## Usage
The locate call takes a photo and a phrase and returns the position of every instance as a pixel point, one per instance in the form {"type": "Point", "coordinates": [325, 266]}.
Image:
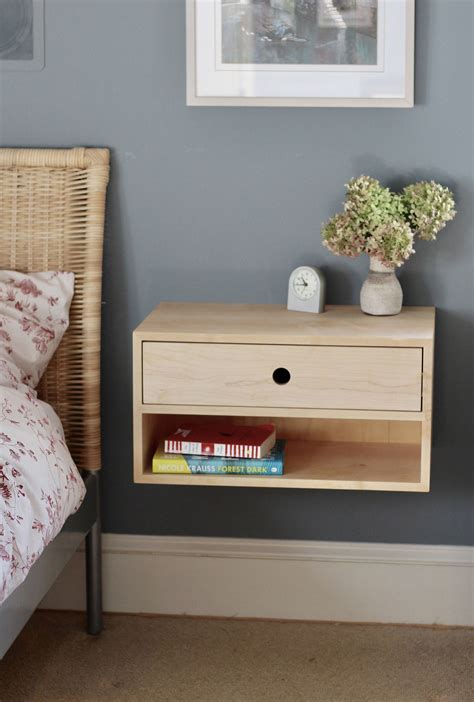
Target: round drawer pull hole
{"type": "Point", "coordinates": [281, 376]}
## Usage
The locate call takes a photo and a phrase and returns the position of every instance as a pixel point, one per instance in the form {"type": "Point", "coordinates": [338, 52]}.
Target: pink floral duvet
{"type": "Point", "coordinates": [39, 484]}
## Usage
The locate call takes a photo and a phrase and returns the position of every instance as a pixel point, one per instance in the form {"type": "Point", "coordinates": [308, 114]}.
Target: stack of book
{"type": "Point", "coordinates": [221, 449]}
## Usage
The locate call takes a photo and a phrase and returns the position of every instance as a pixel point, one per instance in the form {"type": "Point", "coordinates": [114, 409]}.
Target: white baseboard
{"type": "Point", "coordinates": [311, 580]}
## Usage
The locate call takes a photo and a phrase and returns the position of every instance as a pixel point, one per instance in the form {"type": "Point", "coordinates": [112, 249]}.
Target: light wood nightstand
{"type": "Point", "coordinates": [350, 393]}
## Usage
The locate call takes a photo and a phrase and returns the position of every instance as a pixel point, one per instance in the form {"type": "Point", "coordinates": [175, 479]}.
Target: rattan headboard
{"type": "Point", "coordinates": [52, 204]}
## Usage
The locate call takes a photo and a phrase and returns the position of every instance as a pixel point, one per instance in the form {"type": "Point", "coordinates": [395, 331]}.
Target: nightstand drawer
{"type": "Point", "coordinates": [250, 375]}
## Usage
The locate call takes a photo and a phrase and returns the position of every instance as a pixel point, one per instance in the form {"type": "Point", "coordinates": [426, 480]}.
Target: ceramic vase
{"type": "Point", "coordinates": [381, 293]}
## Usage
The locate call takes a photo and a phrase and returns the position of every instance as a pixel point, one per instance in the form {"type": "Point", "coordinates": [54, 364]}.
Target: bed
{"type": "Point", "coordinates": [52, 204]}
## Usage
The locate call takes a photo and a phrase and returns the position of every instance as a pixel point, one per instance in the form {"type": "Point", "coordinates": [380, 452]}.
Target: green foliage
{"type": "Point", "coordinates": [428, 206]}
{"type": "Point", "coordinates": [391, 243]}
{"type": "Point", "coordinates": [383, 224]}
{"type": "Point", "coordinates": [340, 237]}
{"type": "Point", "coordinates": [369, 205]}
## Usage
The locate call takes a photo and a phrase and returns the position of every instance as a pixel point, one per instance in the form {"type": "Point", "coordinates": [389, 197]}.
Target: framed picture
{"type": "Point", "coordinates": [321, 53]}
{"type": "Point", "coordinates": [21, 35]}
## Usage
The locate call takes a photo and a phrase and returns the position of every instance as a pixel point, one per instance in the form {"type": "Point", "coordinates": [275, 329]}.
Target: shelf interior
{"type": "Point", "coordinates": [324, 453]}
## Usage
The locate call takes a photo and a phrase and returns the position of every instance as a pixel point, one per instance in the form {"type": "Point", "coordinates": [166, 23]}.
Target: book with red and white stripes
{"type": "Point", "coordinates": [228, 440]}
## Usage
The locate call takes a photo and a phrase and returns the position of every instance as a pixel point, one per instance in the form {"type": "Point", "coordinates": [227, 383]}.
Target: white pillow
{"type": "Point", "coordinates": [34, 314]}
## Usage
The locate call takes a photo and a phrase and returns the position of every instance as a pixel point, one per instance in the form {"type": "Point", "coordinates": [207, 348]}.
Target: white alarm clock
{"type": "Point", "coordinates": [306, 290]}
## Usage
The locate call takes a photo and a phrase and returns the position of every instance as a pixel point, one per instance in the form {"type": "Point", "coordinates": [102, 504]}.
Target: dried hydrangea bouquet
{"type": "Point", "coordinates": [384, 225]}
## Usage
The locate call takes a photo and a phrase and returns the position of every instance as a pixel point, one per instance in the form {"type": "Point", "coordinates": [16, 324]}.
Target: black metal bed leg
{"type": "Point", "coordinates": [94, 577]}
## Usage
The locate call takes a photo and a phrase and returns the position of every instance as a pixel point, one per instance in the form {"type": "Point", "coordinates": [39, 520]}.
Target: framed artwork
{"type": "Point", "coordinates": [321, 53]}
{"type": "Point", "coordinates": [21, 35]}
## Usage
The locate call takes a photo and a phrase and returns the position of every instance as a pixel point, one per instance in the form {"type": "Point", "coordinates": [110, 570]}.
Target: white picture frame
{"type": "Point", "coordinates": [387, 82]}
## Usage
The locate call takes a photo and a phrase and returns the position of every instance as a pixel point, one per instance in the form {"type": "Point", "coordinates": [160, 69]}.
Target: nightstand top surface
{"type": "Point", "coordinates": [273, 324]}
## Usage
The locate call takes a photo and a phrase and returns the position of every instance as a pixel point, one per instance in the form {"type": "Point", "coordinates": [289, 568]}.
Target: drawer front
{"type": "Point", "coordinates": [318, 377]}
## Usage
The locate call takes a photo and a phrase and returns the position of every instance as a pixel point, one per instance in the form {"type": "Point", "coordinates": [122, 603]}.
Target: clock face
{"type": "Point", "coordinates": [305, 284]}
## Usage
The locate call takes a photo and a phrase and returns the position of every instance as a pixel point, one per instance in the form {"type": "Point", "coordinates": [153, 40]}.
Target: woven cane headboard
{"type": "Point", "coordinates": [52, 204]}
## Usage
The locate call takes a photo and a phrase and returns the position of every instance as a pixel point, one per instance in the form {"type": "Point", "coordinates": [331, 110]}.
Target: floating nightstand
{"type": "Point", "coordinates": [350, 393]}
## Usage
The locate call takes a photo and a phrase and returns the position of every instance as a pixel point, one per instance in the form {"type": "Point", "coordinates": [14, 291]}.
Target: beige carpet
{"type": "Point", "coordinates": [164, 659]}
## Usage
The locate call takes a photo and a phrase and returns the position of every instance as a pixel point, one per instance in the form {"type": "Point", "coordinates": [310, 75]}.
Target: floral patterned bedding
{"type": "Point", "coordinates": [39, 484]}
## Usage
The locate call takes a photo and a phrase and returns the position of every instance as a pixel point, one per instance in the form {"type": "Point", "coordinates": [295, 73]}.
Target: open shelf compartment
{"type": "Point", "coordinates": [346, 454]}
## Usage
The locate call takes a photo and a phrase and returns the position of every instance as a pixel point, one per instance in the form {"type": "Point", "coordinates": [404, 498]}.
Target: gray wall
{"type": "Point", "coordinates": [221, 203]}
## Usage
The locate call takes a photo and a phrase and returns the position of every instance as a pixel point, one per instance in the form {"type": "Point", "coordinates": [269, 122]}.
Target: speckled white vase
{"type": "Point", "coordinates": [381, 293]}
